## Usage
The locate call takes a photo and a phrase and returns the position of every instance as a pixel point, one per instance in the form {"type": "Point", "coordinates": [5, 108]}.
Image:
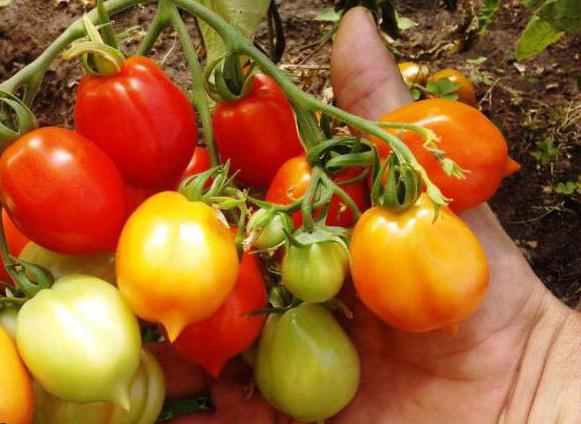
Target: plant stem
{"type": "Point", "coordinates": [199, 97]}
{"type": "Point", "coordinates": [30, 77]}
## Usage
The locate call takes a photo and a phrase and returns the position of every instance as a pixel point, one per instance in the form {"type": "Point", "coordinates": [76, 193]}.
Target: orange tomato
{"type": "Point", "coordinates": [467, 137]}
{"type": "Point", "coordinates": [16, 397]}
{"type": "Point", "coordinates": [292, 181]}
{"type": "Point", "coordinates": [176, 261]}
{"type": "Point", "coordinates": [465, 91]}
{"type": "Point", "coordinates": [415, 274]}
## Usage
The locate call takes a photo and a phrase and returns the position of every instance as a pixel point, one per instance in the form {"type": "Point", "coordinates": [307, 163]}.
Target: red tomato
{"type": "Point", "coordinates": [199, 163]}
{"type": "Point", "coordinates": [291, 183]}
{"type": "Point", "coordinates": [62, 191]}
{"type": "Point", "coordinates": [468, 137]}
{"type": "Point", "coordinates": [229, 331]}
{"type": "Point", "coordinates": [15, 240]}
{"type": "Point", "coordinates": [182, 378]}
{"type": "Point", "coordinates": [257, 133]}
{"type": "Point", "coordinates": [141, 119]}
{"type": "Point", "coordinates": [135, 197]}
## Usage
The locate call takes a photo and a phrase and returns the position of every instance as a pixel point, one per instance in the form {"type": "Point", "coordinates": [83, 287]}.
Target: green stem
{"type": "Point", "coordinates": [160, 22]}
{"type": "Point", "coordinates": [341, 193]}
{"type": "Point", "coordinates": [307, 206]}
{"type": "Point", "coordinates": [30, 77]}
{"type": "Point", "coordinates": [199, 97]}
{"type": "Point", "coordinates": [107, 28]}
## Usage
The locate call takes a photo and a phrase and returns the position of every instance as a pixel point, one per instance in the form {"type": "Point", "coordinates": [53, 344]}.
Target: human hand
{"type": "Point", "coordinates": [513, 361]}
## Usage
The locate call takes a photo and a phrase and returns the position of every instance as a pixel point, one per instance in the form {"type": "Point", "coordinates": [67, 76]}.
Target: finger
{"type": "Point", "coordinates": [365, 76]}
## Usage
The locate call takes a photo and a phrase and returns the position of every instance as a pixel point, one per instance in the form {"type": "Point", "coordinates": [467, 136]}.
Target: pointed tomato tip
{"type": "Point", "coordinates": [121, 397]}
{"type": "Point", "coordinates": [214, 369]}
{"type": "Point", "coordinates": [512, 166]}
{"type": "Point", "coordinates": [173, 330]}
{"type": "Point", "coordinates": [451, 330]}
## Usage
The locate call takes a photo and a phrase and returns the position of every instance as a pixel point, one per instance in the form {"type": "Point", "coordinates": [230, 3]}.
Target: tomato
{"type": "Point", "coordinates": [8, 315]}
{"type": "Point", "coordinates": [16, 398]}
{"type": "Point", "coordinates": [183, 379]}
{"type": "Point", "coordinates": [306, 365]}
{"type": "Point", "coordinates": [101, 265]}
{"type": "Point", "coordinates": [467, 137]}
{"type": "Point", "coordinates": [145, 402]}
{"type": "Point", "coordinates": [62, 191]}
{"type": "Point", "coordinates": [415, 274]}
{"type": "Point", "coordinates": [141, 119]}
{"type": "Point", "coordinates": [413, 73]}
{"type": "Point", "coordinates": [291, 183]}
{"type": "Point", "coordinates": [15, 241]}
{"type": "Point", "coordinates": [80, 340]}
{"type": "Point", "coordinates": [257, 133]}
{"type": "Point", "coordinates": [269, 228]}
{"type": "Point", "coordinates": [315, 272]}
{"type": "Point", "coordinates": [230, 330]}
{"type": "Point", "coordinates": [176, 261]}
{"type": "Point", "coordinates": [199, 163]}
{"type": "Point", "coordinates": [465, 91]}
{"type": "Point", "coordinates": [135, 196]}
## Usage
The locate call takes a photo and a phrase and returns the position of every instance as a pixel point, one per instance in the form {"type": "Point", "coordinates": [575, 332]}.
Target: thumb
{"type": "Point", "coordinates": [365, 77]}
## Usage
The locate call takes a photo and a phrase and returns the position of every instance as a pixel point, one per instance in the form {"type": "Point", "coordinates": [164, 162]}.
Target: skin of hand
{"type": "Point", "coordinates": [516, 360]}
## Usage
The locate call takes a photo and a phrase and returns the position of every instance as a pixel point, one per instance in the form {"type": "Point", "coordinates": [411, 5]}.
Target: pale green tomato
{"type": "Point", "coordinates": [315, 272]}
{"type": "Point", "coordinates": [80, 340]}
{"type": "Point", "coordinates": [306, 365]}
{"type": "Point", "coordinates": [8, 314]}
{"type": "Point", "coordinates": [100, 265]}
{"type": "Point", "coordinates": [270, 229]}
{"type": "Point", "coordinates": [146, 400]}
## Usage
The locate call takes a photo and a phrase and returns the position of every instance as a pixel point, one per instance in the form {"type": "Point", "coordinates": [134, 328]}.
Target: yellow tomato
{"type": "Point", "coordinates": [16, 398]}
{"type": "Point", "coordinates": [413, 73]}
{"type": "Point", "coordinates": [465, 91]}
{"type": "Point", "coordinates": [176, 261]}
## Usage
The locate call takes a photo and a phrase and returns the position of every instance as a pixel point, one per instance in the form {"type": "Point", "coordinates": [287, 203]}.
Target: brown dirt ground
{"type": "Point", "coordinates": [529, 101]}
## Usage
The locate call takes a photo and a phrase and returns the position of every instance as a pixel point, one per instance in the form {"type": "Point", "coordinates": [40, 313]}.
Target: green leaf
{"type": "Point", "coordinates": [328, 14]}
{"type": "Point", "coordinates": [569, 187]}
{"type": "Point", "coordinates": [487, 12]}
{"type": "Point", "coordinates": [536, 37]}
{"type": "Point", "coordinates": [444, 88]}
{"type": "Point", "coordinates": [244, 15]}
{"type": "Point", "coordinates": [533, 4]}
{"type": "Point", "coordinates": [545, 151]}
{"type": "Point", "coordinates": [404, 23]}
{"type": "Point", "coordinates": [564, 15]}
{"type": "Point", "coordinates": [478, 61]}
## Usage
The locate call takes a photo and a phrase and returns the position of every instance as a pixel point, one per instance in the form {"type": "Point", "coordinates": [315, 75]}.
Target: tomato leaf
{"type": "Point", "coordinates": [564, 15]}
{"type": "Point", "coordinates": [244, 15]}
{"type": "Point", "coordinates": [177, 407]}
{"type": "Point", "coordinates": [443, 88]}
{"type": "Point", "coordinates": [533, 4]}
{"type": "Point", "coordinates": [536, 37]}
{"type": "Point", "coordinates": [328, 14]}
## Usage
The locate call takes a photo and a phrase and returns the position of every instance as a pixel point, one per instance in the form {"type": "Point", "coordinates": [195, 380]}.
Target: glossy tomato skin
{"type": "Point", "coordinates": [80, 340]}
{"type": "Point", "coordinates": [16, 397]}
{"type": "Point", "coordinates": [199, 163]}
{"type": "Point", "coordinates": [257, 133]}
{"type": "Point", "coordinates": [468, 137]}
{"type": "Point", "coordinates": [57, 170]}
{"type": "Point", "coordinates": [230, 330]}
{"type": "Point", "coordinates": [15, 241]}
{"type": "Point", "coordinates": [141, 119]}
{"type": "Point", "coordinates": [292, 180]}
{"type": "Point", "coordinates": [176, 261]}
{"type": "Point", "coordinates": [413, 73]}
{"type": "Point", "coordinates": [315, 272]}
{"type": "Point", "coordinates": [101, 265]}
{"type": "Point", "coordinates": [145, 402]}
{"type": "Point", "coordinates": [465, 91]}
{"type": "Point", "coordinates": [415, 274]}
{"type": "Point", "coordinates": [307, 367]}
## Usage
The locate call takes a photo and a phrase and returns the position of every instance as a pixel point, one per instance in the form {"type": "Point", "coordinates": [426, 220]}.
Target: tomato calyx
{"type": "Point", "coordinates": [16, 118]}
{"type": "Point", "coordinates": [230, 81]}
{"type": "Point", "coordinates": [397, 186]}
{"type": "Point", "coordinates": [97, 57]}
{"type": "Point", "coordinates": [267, 228]}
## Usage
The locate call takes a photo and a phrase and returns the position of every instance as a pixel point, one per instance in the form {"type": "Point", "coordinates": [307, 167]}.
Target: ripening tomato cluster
{"type": "Point", "coordinates": [96, 208]}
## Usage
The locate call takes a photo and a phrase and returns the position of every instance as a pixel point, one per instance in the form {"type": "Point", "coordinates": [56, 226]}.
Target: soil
{"type": "Point", "coordinates": [531, 101]}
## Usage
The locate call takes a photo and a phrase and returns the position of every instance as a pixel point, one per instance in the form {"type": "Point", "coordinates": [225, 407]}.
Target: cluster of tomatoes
{"type": "Point", "coordinates": [98, 210]}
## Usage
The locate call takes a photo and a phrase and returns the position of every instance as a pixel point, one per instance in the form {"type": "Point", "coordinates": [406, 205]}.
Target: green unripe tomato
{"type": "Point", "coordinates": [270, 228]}
{"type": "Point", "coordinates": [306, 365]}
{"type": "Point", "coordinates": [315, 272]}
{"type": "Point", "coordinates": [80, 340]}
{"type": "Point", "coordinates": [100, 265]}
{"type": "Point", "coordinates": [146, 400]}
